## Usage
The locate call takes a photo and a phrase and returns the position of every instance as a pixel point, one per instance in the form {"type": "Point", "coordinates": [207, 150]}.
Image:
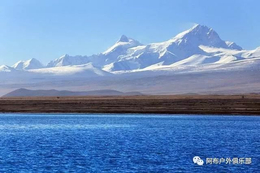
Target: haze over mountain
{"type": "Point", "coordinates": [53, 93]}
{"type": "Point", "coordinates": [198, 51]}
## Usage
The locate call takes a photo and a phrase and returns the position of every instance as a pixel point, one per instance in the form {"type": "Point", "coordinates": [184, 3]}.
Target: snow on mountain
{"type": "Point", "coordinates": [121, 46]}
{"type": "Point", "coordinates": [252, 54]}
{"type": "Point", "coordinates": [182, 46]}
{"type": "Point", "coordinates": [85, 70]}
{"type": "Point", "coordinates": [110, 55]}
{"type": "Point", "coordinates": [66, 60]}
{"type": "Point", "coordinates": [203, 35]}
{"type": "Point", "coordinates": [197, 48]}
{"type": "Point", "coordinates": [199, 35]}
{"type": "Point", "coordinates": [29, 64]}
{"type": "Point", "coordinates": [113, 54]}
{"type": "Point", "coordinates": [128, 54]}
{"type": "Point", "coordinates": [5, 68]}
{"type": "Point", "coordinates": [215, 64]}
{"type": "Point", "coordinates": [215, 59]}
{"type": "Point", "coordinates": [232, 45]}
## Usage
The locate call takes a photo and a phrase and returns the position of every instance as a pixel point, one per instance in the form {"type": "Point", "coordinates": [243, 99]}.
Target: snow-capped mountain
{"type": "Point", "coordinates": [233, 45]}
{"type": "Point", "coordinates": [194, 61]}
{"type": "Point", "coordinates": [190, 47]}
{"type": "Point", "coordinates": [197, 48]}
{"type": "Point", "coordinates": [120, 48]}
{"type": "Point", "coordinates": [109, 56]}
{"type": "Point", "coordinates": [5, 68]}
{"type": "Point", "coordinates": [29, 64]}
{"type": "Point", "coordinates": [182, 46]}
{"type": "Point", "coordinates": [66, 60]}
{"type": "Point", "coordinates": [85, 70]}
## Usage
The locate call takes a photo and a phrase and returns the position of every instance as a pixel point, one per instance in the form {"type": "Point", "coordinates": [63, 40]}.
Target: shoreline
{"type": "Point", "coordinates": [128, 114]}
{"type": "Point", "coordinates": [163, 104]}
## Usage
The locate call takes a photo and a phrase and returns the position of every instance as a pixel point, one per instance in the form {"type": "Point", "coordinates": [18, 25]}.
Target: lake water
{"type": "Point", "coordinates": [128, 143]}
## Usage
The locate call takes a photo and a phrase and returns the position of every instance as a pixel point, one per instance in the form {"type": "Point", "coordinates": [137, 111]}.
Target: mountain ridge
{"type": "Point", "coordinates": [29, 64]}
{"type": "Point", "coordinates": [129, 54]}
{"type": "Point", "coordinates": [22, 92]}
{"type": "Point", "coordinates": [199, 48]}
{"type": "Point", "coordinates": [194, 61]}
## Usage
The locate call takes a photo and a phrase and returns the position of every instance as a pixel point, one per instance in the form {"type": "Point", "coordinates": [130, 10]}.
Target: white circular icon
{"type": "Point", "coordinates": [195, 159]}
{"type": "Point", "coordinates": [198, 160]}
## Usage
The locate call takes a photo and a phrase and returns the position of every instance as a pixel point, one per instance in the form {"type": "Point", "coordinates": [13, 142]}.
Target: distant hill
{"type": "Point", "coordinates": [49, 93]}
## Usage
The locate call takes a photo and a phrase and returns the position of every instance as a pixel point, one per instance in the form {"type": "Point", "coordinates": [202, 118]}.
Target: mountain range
{"type": "Point", "coordinates": [198, 51]}
{"type": "Point", "coordinates": [54, 93]}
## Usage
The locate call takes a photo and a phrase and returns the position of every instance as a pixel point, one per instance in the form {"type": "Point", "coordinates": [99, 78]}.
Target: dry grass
{"type": "Point", "coordinates": [163, 104]}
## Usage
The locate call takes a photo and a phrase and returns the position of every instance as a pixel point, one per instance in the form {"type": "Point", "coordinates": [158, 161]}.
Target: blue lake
{"type": "Point", "coordinates": [127, 143]}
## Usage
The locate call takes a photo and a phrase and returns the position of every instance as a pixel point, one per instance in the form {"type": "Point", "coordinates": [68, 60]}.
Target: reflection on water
{"type": "Point", "coordinates": [126, 143]}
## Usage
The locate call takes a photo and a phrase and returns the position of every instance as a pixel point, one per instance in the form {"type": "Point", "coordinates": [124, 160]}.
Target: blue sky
{"type": "Point", "coordinates": [47, 29]}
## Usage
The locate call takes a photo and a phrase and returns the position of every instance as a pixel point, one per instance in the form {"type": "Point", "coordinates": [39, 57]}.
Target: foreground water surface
{"type": "Point", "coordinates": [128, 143]}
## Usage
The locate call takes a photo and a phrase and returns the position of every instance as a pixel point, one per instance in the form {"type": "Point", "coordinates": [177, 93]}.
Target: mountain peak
{"type": "Point", "coordinates": [199, 27]}
{"type": "Point", "coordinates": [123, 38]}
{"type": "Point", "coordinates": [33, 60]}
{"type": "Point", "coordinates": [200, 35]}
{"type": "Point", "coordinates": [5, 68]}
{"type": "Point", "coordinates": [121, 46]}
{"type": "Point", "coordinates": [201, 30]}
{"type": "Point", "coordinates": [29, 64]}
{"type": "Point", "coordinates": [64, 56]}
{"type": "Point", "coordinates": [66, 60]}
